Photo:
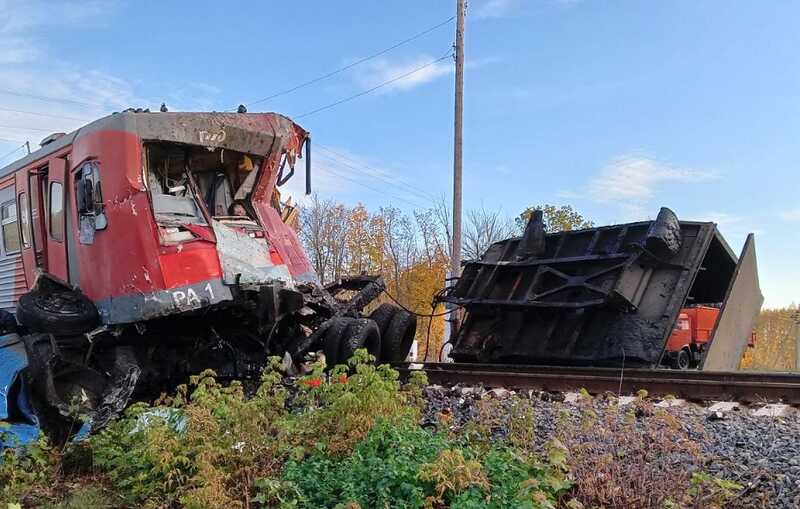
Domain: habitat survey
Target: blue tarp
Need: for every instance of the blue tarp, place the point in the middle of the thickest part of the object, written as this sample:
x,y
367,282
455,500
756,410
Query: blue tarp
x,y
18,422
24,427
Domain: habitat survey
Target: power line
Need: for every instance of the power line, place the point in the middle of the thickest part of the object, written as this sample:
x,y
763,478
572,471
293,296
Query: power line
x,y
374,173
50,98
350,66
356,171
376,87
44,114
9,140
362,184
12,152
25,128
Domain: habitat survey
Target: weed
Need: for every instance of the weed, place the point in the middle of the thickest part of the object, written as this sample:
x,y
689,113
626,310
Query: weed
x,y
634,458
27,471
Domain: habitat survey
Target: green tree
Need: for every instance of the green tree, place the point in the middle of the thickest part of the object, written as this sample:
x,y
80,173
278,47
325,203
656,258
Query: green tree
x,y
556,218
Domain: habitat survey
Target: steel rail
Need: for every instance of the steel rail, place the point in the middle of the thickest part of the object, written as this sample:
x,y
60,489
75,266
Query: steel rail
x,y
747,387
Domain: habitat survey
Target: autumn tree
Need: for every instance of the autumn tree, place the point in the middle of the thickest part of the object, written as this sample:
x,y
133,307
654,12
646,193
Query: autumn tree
x,y
323,227
556,218
776,341
410,251
484,228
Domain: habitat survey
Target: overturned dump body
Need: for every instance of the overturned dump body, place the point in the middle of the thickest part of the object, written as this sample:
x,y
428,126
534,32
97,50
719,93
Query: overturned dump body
x,y
604,296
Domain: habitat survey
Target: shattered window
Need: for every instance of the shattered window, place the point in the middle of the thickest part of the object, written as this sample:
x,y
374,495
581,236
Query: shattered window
x,y
8,214
184,179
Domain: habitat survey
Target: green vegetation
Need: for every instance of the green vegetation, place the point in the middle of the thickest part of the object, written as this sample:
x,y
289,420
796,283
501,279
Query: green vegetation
x,y
346,439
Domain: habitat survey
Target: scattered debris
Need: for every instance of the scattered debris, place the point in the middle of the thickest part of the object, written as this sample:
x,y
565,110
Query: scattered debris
x,y
671,402
724,406
773,410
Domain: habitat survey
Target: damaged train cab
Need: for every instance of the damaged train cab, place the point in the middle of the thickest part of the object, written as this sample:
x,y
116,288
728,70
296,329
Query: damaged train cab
x,y
144,247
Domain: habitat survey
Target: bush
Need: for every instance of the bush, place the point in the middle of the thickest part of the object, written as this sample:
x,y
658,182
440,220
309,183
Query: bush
x,y
402,465
28,471
351,439
207,445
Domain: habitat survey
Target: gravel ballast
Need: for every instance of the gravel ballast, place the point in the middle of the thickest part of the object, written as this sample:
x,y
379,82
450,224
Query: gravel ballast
x,y
760,452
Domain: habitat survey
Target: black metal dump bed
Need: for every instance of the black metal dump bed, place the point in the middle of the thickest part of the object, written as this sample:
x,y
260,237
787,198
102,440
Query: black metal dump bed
x,y
598,296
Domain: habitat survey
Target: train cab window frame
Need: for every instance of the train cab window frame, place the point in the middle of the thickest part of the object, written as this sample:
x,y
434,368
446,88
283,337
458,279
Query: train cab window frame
x,y
9,223
89,201
24,220
55,216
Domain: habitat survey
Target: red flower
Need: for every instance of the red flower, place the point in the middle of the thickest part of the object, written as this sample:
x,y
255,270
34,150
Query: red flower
x,y
312,382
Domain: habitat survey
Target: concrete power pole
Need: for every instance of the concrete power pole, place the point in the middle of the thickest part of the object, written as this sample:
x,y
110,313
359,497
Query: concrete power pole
x,y
455,257
455,260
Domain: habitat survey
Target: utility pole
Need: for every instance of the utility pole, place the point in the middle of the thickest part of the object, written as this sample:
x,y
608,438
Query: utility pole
x,y
455,257
455,260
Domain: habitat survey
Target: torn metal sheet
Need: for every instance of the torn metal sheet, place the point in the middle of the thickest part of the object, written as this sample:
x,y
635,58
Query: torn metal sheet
x,y
246,260
738,316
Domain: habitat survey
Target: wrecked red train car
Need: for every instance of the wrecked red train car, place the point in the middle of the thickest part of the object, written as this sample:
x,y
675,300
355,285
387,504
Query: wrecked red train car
x,y
146,246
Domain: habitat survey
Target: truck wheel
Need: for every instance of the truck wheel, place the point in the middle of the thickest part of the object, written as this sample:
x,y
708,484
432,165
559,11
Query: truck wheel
x,y
57,311
396,342
362,333
682,360
383,315
334,338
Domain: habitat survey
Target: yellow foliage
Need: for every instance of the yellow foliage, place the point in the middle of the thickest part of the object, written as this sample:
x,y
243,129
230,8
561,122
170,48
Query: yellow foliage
x,y
450,472
776,341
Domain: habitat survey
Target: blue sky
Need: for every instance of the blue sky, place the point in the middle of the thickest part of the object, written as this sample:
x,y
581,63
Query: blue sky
x,y
616,108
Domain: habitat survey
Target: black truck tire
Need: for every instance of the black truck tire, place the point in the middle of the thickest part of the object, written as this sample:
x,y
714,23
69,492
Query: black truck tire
x,y
383,315
396,341
334,338
362,333
682,359
58,311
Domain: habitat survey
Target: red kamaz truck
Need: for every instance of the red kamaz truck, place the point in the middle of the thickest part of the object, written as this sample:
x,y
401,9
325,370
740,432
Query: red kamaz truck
x,y
691,335
146,246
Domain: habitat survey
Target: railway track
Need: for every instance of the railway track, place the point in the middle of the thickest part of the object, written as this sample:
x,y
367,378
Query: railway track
x,y
746,387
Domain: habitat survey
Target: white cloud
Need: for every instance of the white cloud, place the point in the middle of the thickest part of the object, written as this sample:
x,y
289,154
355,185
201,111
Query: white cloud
x,y
629,183
26,70
494,8
634,179
723,219
381,70
27,75
791,215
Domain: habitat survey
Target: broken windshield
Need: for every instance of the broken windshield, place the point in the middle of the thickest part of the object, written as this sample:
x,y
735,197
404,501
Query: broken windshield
x,y
184,178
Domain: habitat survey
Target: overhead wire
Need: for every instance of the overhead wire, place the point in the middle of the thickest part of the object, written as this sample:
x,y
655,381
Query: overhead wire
x,y
376,87
25,128
50,98
351,65
9,140
12,152
44,114
375,173
371,172
367,186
